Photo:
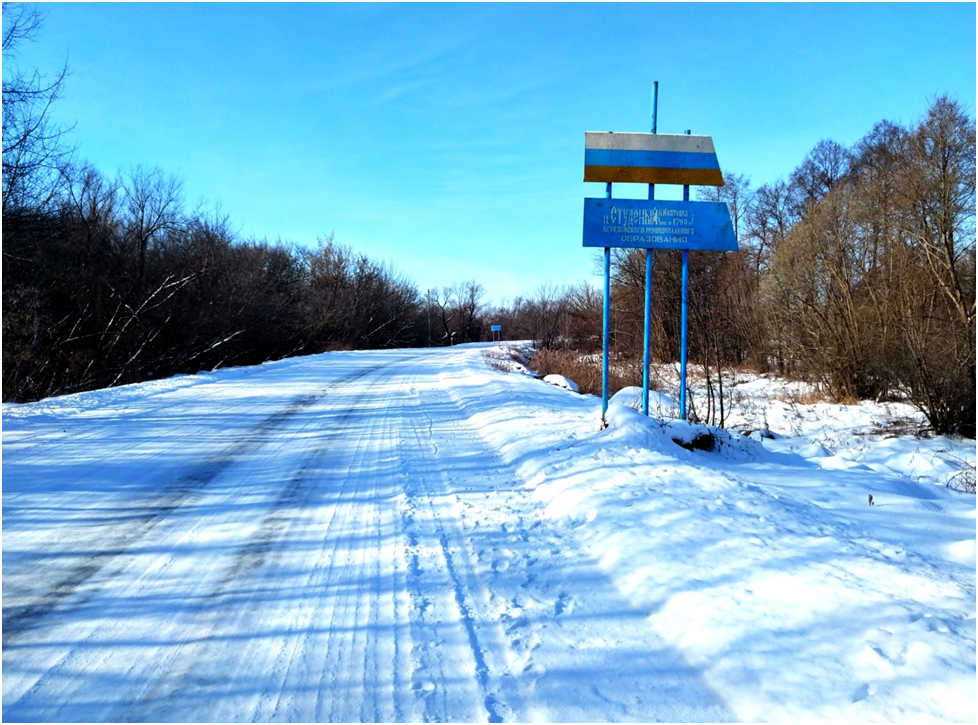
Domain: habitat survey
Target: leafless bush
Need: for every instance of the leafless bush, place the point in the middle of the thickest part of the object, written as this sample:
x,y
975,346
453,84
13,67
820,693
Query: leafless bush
x,y
585,370
964,479
508,359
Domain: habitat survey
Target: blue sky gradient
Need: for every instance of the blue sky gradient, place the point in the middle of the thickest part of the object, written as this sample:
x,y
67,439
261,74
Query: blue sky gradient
x,y
449,139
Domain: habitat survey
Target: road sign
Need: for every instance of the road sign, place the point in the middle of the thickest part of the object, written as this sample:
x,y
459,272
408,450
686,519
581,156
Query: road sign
x,y
496,328
644,224
651,158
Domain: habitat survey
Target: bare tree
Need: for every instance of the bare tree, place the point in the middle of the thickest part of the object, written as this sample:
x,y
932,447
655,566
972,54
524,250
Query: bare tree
x,y
584,303
938,189
823,167
151,205
35,152
936,194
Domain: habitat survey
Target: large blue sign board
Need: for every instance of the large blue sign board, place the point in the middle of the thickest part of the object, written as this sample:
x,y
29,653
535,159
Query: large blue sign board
x,y
646,224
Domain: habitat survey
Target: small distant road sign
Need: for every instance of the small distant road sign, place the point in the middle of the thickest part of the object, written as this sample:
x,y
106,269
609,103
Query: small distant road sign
x,y
497,328
641,224
651,158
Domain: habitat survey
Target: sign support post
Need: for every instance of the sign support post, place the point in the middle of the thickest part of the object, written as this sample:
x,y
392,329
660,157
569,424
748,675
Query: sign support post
x,y
606,325
684,335
647,344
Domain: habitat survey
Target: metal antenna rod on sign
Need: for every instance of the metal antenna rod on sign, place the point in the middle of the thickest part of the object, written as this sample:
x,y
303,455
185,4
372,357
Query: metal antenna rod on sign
x,y
646,355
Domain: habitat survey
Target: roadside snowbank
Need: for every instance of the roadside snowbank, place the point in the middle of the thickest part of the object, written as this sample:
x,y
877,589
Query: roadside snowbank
x,y
762,561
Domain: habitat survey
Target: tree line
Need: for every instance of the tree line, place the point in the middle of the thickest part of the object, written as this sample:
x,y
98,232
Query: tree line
x,y
113,282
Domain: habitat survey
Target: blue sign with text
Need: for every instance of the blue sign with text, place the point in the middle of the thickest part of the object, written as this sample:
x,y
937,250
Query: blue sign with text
x,y
648,224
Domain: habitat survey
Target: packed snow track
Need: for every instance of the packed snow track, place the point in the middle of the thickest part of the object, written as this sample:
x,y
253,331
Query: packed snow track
x,y
320,539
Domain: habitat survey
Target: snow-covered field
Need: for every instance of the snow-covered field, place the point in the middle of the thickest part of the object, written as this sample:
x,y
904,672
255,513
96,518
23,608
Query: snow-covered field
x,y
418,535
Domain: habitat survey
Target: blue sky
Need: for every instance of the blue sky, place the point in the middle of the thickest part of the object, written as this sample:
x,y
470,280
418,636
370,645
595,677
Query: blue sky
x,y
449,139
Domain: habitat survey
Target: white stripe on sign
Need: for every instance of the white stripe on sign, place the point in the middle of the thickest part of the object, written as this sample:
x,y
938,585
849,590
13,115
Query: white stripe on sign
x,y
648,142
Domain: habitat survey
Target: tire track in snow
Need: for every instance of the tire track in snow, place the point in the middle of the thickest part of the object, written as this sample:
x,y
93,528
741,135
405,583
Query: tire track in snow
x,y
223,610
481,668
18,619
71,593
429,530
56,612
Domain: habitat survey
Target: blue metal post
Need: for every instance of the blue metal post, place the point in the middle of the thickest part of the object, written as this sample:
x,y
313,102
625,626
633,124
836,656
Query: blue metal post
x,y
606,326
646,358
685,323
647,362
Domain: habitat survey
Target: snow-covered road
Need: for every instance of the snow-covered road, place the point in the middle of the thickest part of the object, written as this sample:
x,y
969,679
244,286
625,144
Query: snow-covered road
x,y
417,536
326,539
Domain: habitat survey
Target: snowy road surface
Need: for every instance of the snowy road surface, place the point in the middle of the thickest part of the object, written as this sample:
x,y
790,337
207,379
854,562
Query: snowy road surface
x,y
372,537
324,542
